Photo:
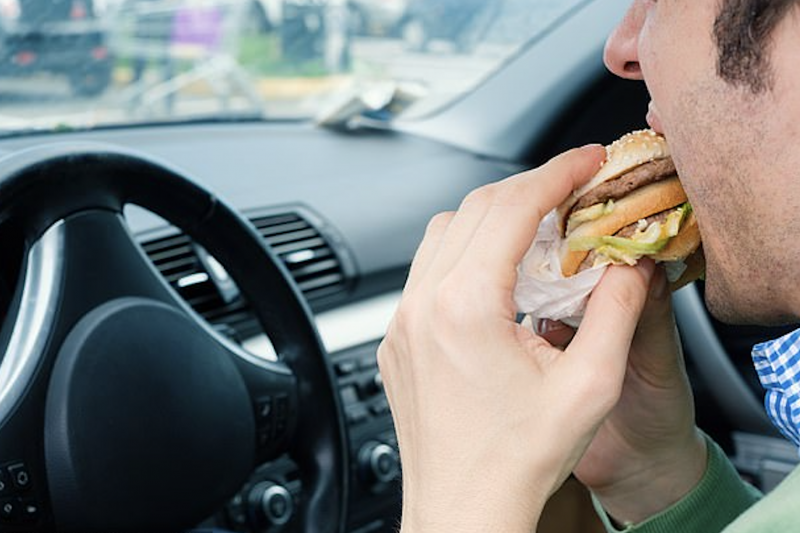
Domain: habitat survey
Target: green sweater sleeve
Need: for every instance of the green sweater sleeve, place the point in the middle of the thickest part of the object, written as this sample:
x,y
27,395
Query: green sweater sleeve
x,y
719,498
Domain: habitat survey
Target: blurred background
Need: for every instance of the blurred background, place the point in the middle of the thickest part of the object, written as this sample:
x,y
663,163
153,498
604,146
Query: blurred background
x,y
82,63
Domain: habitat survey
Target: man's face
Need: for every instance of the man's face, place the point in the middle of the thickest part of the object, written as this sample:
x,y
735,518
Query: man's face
x,y
738,152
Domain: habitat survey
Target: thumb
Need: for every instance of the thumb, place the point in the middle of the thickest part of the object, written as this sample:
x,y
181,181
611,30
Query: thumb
x,y
615,306
656,350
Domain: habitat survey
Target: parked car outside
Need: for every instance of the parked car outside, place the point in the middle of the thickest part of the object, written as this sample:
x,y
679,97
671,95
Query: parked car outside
x,y
57,37
460,22
316,29
266,15
377,17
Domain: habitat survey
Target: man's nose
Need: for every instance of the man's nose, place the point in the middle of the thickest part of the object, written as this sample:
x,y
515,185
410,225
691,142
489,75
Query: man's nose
x,y
621,54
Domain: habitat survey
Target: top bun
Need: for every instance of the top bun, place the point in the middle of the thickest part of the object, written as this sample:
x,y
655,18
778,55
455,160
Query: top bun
x,y
629,151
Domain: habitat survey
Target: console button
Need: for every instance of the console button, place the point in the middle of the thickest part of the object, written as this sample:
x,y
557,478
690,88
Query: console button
x,y
371,386
264,408
264,437
5,484
278,507
9,509
369,362
19,475
356,414
345,368
271,504
281,406
30,510
378,463
380,407
349,395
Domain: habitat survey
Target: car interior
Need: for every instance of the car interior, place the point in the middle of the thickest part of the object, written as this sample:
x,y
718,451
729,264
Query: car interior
x,y
192,305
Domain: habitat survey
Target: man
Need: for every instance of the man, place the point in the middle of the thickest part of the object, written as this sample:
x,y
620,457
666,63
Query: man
x,y
491,418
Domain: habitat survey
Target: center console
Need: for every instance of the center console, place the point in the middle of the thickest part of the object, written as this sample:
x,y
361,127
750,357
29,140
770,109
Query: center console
x,y
267,503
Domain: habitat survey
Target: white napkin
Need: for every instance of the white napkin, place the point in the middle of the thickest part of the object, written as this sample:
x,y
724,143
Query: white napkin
x,y
541,291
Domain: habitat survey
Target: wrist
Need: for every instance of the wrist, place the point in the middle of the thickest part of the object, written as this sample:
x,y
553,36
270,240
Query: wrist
x,y
469,519
472,508
657,485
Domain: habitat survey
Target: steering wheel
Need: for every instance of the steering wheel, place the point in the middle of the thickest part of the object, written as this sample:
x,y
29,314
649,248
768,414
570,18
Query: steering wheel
x,y
121,409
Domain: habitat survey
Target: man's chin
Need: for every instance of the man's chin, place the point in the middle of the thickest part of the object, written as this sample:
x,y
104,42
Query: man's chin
x,y
734,307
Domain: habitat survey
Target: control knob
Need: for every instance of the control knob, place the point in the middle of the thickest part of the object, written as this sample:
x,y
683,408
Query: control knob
x,y
271,504
378,463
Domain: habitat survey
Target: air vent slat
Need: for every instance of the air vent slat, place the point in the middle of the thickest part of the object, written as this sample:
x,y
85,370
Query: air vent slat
x,y
324,292
275,220
269,231
305,252
169,254
166,243
314,268
292,236
297,246
316,283
225,307
305,255
184,264
229,317
201,300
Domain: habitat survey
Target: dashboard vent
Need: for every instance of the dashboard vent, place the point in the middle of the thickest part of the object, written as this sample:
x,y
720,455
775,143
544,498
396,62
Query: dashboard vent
x,y
305,252
311,261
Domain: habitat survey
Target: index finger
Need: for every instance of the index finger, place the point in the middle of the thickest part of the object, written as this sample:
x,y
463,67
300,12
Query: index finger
x,y
510,224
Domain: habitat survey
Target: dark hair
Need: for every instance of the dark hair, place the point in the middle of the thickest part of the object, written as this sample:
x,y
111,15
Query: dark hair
x,y
742,30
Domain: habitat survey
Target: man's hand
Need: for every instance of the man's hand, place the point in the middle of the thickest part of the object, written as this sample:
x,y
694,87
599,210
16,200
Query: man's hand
x,y
648,453
490,417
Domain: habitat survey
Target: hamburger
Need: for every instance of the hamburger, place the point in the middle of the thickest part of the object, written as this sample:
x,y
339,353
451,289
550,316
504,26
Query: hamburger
x,y
634,207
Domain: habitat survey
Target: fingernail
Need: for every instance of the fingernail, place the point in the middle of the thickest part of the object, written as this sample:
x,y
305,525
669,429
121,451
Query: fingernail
x,y
593,146
544,326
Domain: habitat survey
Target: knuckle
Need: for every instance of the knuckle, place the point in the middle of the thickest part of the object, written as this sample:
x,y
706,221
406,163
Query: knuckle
x,y
512,191
482,196
452,303
385,355
439,223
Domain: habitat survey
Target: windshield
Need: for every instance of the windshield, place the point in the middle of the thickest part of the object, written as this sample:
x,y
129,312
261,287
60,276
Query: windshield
x,y
75,64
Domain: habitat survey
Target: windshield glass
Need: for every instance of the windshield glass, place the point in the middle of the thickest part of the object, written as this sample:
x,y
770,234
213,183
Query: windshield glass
x,y
67,64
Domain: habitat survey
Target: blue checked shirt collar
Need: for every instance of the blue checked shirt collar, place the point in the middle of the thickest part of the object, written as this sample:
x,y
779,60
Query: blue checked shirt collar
x,y
778,365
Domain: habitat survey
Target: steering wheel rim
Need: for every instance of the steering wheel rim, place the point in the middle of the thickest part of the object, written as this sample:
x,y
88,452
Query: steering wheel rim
x,y
42,186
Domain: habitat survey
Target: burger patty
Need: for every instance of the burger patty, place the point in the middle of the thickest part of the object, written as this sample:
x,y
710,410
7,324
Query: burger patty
x,y
626,232
617,188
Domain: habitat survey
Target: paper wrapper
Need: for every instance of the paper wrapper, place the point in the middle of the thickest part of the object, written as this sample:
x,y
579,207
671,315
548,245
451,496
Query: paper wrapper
x,y
541,291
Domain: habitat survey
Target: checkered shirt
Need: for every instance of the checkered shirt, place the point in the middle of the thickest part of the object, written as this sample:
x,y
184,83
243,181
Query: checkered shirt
x,y
778,365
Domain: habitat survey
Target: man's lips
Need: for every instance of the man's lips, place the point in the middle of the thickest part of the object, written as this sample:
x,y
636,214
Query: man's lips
x,y
652,119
